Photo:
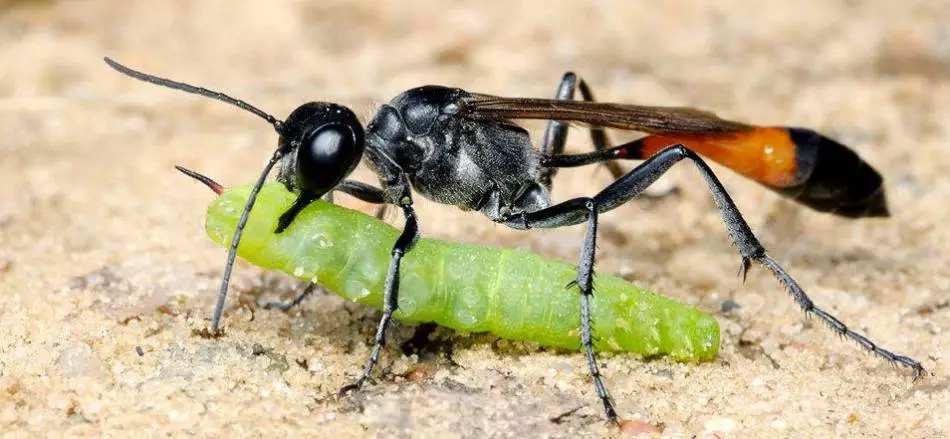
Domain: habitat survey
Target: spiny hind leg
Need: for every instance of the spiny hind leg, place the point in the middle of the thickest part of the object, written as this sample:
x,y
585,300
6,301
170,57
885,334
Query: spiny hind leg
x,y
750,249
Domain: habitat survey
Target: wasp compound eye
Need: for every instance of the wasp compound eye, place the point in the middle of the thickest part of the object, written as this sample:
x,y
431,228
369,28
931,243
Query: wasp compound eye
x,y
325,156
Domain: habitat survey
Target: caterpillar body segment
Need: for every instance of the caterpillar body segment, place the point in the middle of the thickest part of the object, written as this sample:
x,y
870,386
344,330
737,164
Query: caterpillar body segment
x,y
513,294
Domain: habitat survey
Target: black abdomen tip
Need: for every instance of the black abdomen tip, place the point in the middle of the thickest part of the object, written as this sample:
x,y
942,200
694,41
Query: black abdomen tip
x,y
838,181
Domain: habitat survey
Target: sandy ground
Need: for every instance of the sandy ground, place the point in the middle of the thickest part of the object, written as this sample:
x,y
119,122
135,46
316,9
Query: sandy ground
x,y
105,272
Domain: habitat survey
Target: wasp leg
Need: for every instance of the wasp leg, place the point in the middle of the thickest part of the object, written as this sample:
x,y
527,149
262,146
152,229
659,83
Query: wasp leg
x,y
287,306
367,193
579,210
555,136
360,190
408,237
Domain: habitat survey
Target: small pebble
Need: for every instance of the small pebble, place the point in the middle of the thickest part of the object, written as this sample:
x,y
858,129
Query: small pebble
x,y
78,359
729,305
257,349
633,428
421,372
720,424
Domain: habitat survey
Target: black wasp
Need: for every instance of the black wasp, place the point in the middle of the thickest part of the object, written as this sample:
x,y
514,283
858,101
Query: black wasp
x,y
463,149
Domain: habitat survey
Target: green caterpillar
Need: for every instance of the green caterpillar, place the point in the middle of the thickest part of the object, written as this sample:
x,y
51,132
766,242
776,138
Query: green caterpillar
x,y
513,294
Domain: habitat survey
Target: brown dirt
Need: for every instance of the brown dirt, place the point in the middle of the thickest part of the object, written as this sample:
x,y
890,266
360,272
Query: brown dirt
x,y
105,272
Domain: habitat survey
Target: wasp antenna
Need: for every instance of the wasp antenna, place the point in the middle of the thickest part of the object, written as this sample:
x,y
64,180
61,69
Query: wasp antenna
x,y
236,239
201,91
217,188
252,197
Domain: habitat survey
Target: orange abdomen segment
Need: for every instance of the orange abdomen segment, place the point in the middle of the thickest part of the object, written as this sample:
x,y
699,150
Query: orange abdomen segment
x,y
796,162
766,154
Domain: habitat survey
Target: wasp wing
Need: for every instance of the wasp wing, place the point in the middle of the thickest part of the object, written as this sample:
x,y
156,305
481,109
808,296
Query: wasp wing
x,y
643,118
796,162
